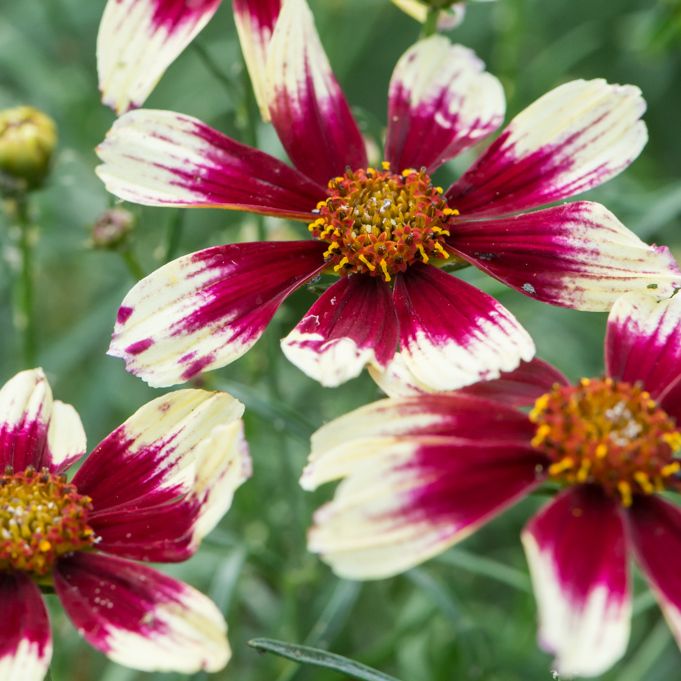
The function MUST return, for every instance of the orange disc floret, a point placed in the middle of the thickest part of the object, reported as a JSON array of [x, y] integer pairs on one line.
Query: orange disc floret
[[608, 433], [379, 223], [42, 517]]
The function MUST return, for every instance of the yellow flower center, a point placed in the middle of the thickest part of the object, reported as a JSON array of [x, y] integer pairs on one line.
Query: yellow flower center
[[379, 223], [607, 433], [42, 517]]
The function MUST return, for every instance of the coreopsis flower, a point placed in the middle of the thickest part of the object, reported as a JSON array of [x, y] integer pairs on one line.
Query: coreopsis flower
[[420, 473], [386, 232], [148, 492]]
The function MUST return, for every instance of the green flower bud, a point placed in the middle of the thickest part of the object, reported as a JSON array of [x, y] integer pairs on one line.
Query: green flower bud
[[112, 228]]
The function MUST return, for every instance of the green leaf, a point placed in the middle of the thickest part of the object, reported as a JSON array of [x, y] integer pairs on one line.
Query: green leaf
[[319, 658]]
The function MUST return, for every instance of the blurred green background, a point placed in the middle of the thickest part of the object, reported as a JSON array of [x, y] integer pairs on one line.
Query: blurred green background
[[468, 614]]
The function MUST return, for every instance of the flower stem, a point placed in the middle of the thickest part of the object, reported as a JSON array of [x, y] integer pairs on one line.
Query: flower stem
[[132, 263], [175, 230], [24, 313], [430, 24], [215, 70]]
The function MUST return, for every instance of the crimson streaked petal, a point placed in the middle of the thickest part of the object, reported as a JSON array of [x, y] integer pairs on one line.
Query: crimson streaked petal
[[307, 106], [204, 310], [411, 499], [25, 639], [441, 101], [139, 617], [137, 42], [161, 158], [255, 21], [576, 550], [643, 343], [353, 324], [576, 255], [453, 334], [575, 137]]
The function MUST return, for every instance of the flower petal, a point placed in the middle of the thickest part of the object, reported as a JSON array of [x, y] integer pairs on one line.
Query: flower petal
[[577, 554], [655, 527], [575, 137], [160, 158], [35, 430], [206, 309], [255, 21], [453, 334], [137, 42], [338, 446], [413, 499], [307, 106], [139, 617], [353, 324], [153, 481], [577, 255], [441, 101], [643, 341], [25, 639]]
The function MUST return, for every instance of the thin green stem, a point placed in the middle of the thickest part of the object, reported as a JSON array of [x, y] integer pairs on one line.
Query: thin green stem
[[24, 314], [132, 263], [174, 237], [430, 24], [215, 70]]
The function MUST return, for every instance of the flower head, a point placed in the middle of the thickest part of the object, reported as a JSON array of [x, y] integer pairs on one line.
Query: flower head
[[148, 492], [386, 232], [424, 471]]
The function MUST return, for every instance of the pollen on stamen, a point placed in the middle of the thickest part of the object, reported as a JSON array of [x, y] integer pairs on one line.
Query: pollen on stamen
[[610, 434], [378, 222]]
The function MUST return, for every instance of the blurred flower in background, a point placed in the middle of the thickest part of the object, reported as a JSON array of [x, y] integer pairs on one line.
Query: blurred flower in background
[[451, 13]]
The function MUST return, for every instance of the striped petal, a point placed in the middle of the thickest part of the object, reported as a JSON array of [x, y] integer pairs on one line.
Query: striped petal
[[307, 106], [255, 21], [139, 617], [575, 137], [453, 334], [160, 158], [576, 255], [655, 527], [166, 476], [412, 499], [137, 42], [204, 310], [36, 430], [25, 639], [441, 101], [643, 342], [577, 555], [352, 325]]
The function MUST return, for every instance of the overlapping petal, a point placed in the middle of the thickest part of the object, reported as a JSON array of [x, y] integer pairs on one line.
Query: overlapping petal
[[160, 158], [139, 617], [307, 106], [577, 554], [206, 309], [441, 101], [139, 39], [25, 639], [577, 255], [573, 138], [353, 324], [453, 334]]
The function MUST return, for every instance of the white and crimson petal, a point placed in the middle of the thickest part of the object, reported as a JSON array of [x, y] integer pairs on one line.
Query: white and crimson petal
[[576, 550], [36, 430], [206, 309], [577, 255], [25, 639], [573, 138], [165, 477], [441, 101], [161, 158], [411, 499], [139, 617], [255, 21], [453, 334], [353, 324], [307, 106], [139, 39]]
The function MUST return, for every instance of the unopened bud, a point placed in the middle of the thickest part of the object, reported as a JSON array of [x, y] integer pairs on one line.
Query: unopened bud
[[27, 139], [112, 228]]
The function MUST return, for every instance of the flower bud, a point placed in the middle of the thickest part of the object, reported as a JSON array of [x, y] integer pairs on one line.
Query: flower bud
[[27, 139], [112, 229]]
